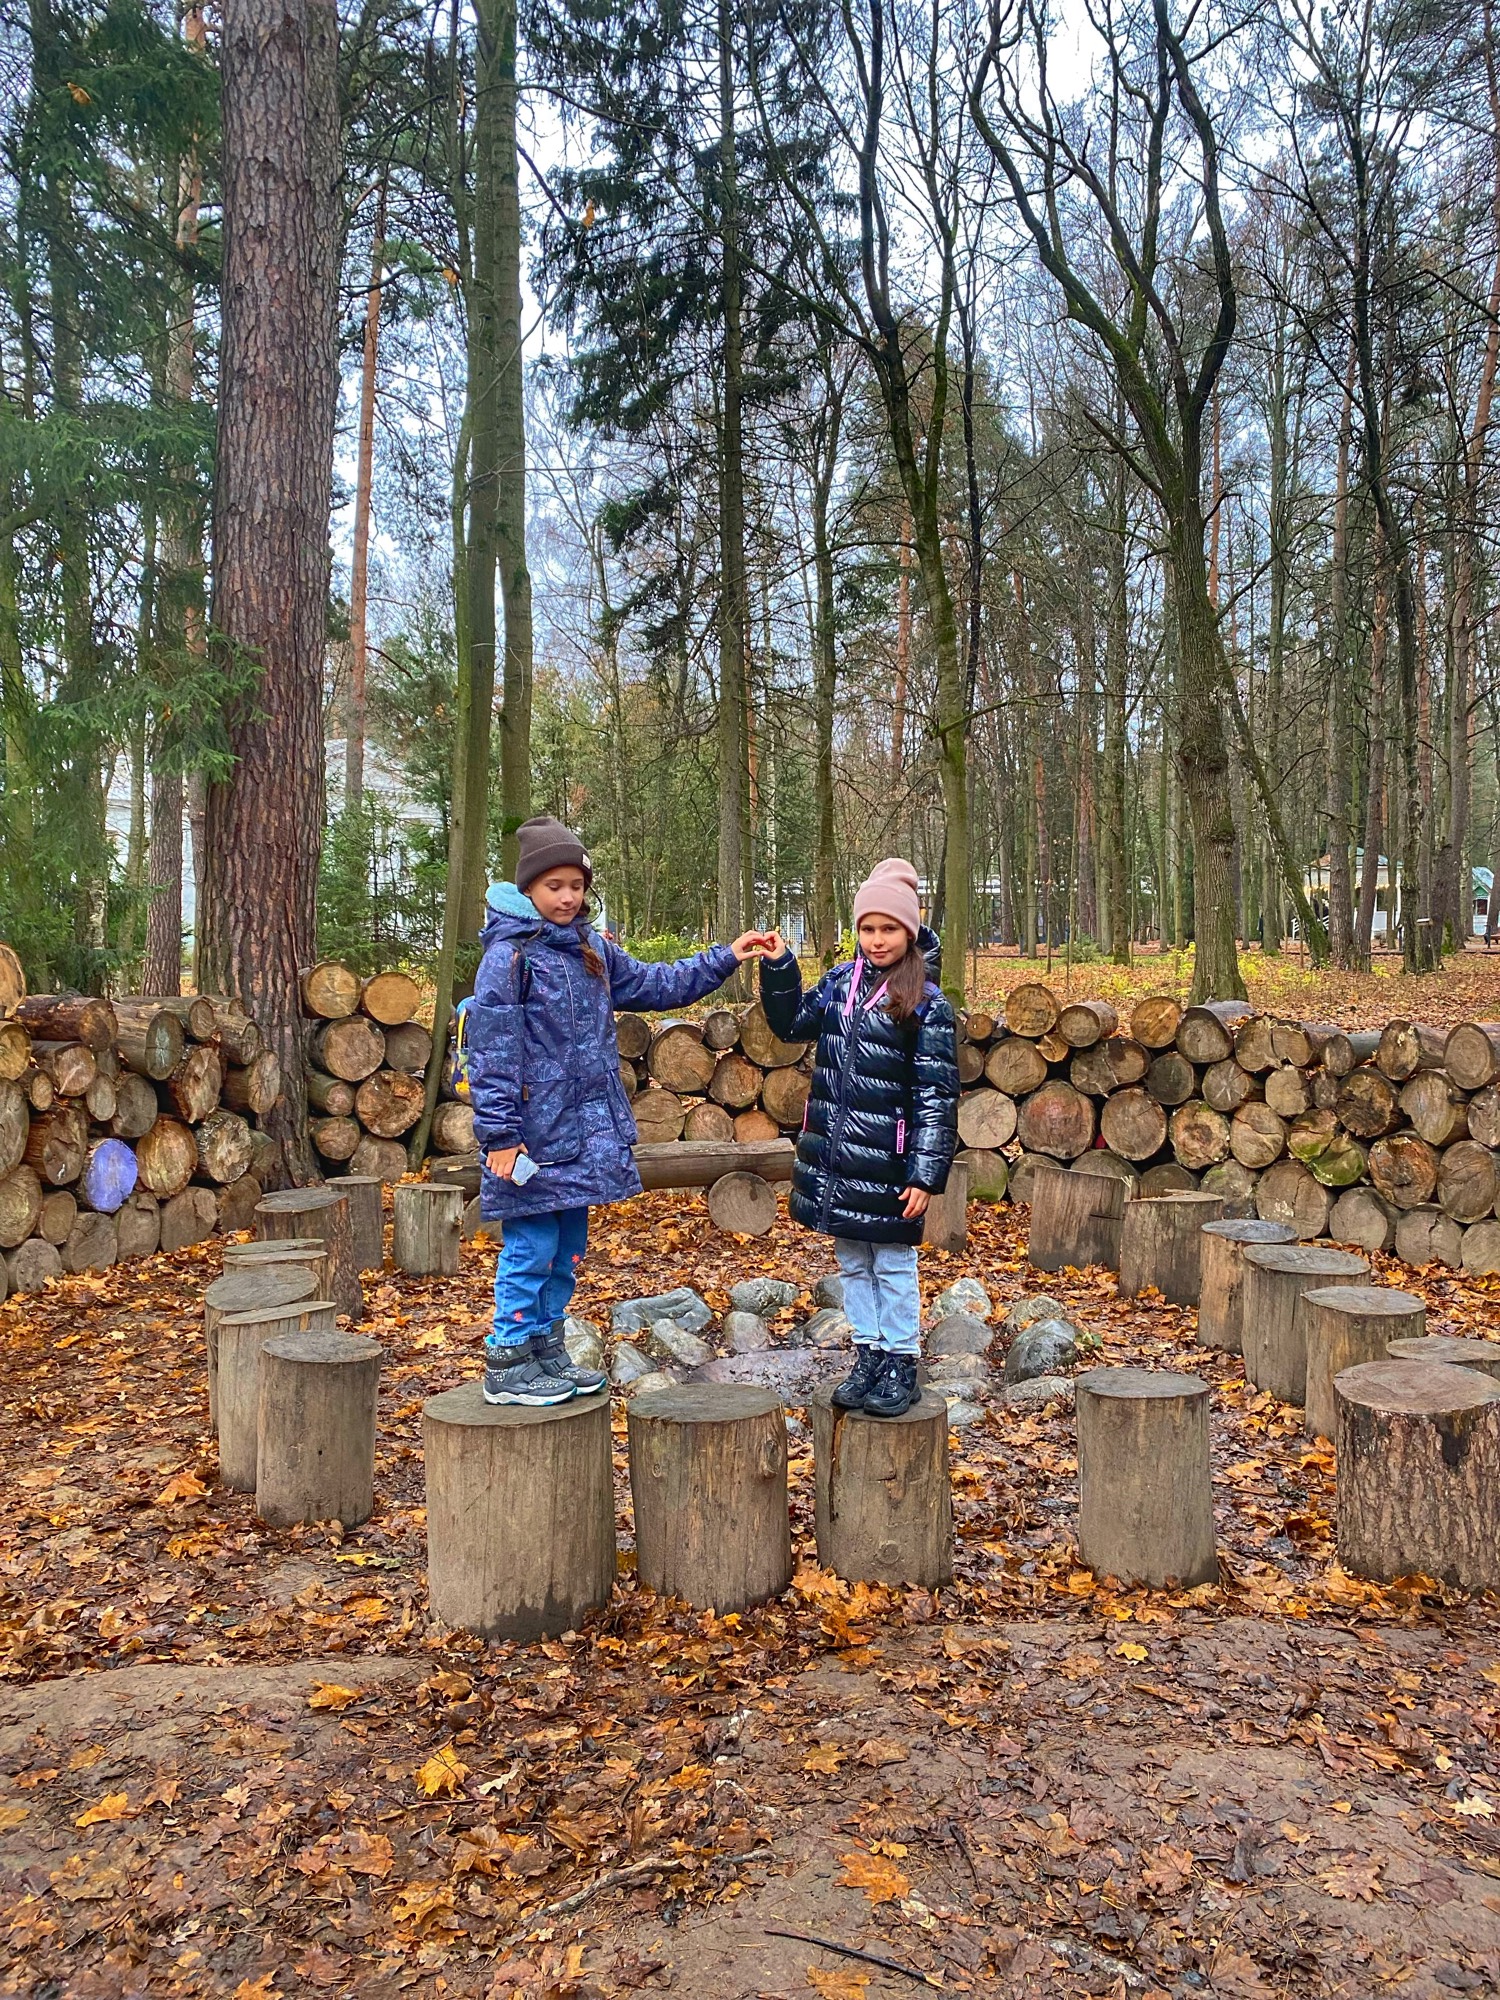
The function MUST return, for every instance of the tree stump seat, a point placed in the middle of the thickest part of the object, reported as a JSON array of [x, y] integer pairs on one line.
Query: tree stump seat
[[1417, 1445], [884, 1507], [520, 1513], [428, 1222], [315, 1442], [1221, 1295], [708, 1476], [1076, 1219], [1145, 1495], [1346, 1325], [238, 1340], [1273, 1322], [1161, 1245]]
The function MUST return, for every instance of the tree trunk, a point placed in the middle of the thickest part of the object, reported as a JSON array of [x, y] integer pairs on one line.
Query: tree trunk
[[510, 424], [359, 576], [1203, 762], [278, 383]]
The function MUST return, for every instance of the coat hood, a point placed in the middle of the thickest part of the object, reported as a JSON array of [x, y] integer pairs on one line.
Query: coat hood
[[508, 914]]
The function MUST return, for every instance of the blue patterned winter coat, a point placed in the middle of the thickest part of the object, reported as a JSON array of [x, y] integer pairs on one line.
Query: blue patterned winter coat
[[544, 1069], [883, 1112]]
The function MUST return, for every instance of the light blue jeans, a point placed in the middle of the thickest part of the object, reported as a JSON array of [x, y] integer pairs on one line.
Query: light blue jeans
[[881, 1299], [535, 1273]]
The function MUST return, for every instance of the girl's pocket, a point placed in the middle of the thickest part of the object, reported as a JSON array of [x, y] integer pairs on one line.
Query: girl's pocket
[[551, 1123]]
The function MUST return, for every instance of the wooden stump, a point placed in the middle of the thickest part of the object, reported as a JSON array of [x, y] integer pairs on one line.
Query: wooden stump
[[58, 1214], [166, 1157], [335, 1138], [1426, 1236], [224, 1148], [20, 1206], [1346, 1326], [424, 1242], [109, 1175], [366, 1217], [735, 1082], [946, 1225], [987, 1118], [1453, 1353], [330, 990], [308, 1253], [989, 1174], [1417, 1446], [315, 1450], [237, 1203], [250, 1290], [389, 1103], [1273, 1324], [1161, 1245], [1133, 1124], [784, 1097], [520, 1513], [391, 998], [707, 1120], [743, 1204], [238, 1340], [1075, 1219], [350, 1049], [1221, 1297], [93, 1243], [255, 1088], [453, 1128], [884, 1504], [321, 1212], [1145, 1497], [1015, 1067], [708, 1475], [1289, 1193], [1057, 1120], [384, 1159], [408, 1045]]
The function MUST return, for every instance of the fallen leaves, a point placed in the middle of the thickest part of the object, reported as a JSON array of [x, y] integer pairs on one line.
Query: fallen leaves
[[1352, 1879], [825, 1760], [183, 1486], [328, 1694], [877, 1877], [881, 1751], [113, 1806], [838, 1985], [443, 1774]]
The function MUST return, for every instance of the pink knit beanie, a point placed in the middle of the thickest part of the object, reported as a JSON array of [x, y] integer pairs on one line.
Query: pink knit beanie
[[890, 891]]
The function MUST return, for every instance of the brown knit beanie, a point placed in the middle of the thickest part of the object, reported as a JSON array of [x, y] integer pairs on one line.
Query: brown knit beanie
[[544, 843]]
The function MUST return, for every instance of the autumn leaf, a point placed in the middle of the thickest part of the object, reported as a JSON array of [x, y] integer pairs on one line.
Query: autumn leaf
[[838, 1985], [114, 1805], [420, 1900], [263, 1988], [825, 1760], [328, 1694], [1477, 1807], [1131, 1651], [12, 1816], [442, 1775], [880, 1751], [881, 1882], [1352, 1880], [1168, 1870], [182, 1486]]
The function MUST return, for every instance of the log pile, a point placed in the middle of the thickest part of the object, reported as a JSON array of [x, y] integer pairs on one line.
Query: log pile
[[127, 1126], [1385, 1139], [723, 1076], [366, 1061]]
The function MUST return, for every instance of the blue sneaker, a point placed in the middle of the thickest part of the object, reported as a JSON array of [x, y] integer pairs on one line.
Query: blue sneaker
[[511, 1376]]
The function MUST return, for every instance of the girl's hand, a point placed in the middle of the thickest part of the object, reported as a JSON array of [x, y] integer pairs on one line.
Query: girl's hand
[[503, 1164], [776, 946], [914, 1203], [753, 944]]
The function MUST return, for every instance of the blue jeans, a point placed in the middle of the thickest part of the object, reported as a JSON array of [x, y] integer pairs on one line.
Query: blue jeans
[[881, 1300], [536, 1272]]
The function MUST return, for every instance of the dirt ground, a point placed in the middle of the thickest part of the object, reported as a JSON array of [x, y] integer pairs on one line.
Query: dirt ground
[[242, 1762]]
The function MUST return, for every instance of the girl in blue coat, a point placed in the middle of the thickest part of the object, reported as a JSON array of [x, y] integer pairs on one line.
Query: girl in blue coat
[[881, 1123], [550, 1114]]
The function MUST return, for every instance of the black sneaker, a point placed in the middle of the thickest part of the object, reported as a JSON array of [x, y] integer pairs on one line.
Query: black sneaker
[[511, 1376], [895, 1388], [857, 1384], [550, 1352]]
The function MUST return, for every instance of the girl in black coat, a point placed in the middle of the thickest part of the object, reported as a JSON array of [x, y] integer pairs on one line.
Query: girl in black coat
[[881, 1123]]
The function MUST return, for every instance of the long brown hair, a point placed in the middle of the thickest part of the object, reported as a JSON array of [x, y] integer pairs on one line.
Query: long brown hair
[[588, 915], [906, 984]]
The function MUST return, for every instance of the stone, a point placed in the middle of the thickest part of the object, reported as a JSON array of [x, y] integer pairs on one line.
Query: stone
[[762, 1295], [829, 1291], [793, 1372], [968, 1371], [584, 1342], [745, 1333], [683, 1307], [1041, 1389], [962, 1413], [827, 1328], [964, 1295], [674, 1345], [658, 1378], [960, 1333], [1042, 1349], [1025, 1312], [628, 1365]]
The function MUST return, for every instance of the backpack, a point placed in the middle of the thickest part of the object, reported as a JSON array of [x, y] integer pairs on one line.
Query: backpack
[[458, 1049]]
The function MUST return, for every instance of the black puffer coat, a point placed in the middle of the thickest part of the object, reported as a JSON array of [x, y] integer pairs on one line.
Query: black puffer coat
[[883, 1113]]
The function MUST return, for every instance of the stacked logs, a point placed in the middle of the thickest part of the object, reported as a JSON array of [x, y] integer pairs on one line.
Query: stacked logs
[[127, 1126], [366, 1060], [1389, 1139], [722, 1076]]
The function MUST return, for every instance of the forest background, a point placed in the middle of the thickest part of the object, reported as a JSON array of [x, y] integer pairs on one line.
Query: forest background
[[766, 433]]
